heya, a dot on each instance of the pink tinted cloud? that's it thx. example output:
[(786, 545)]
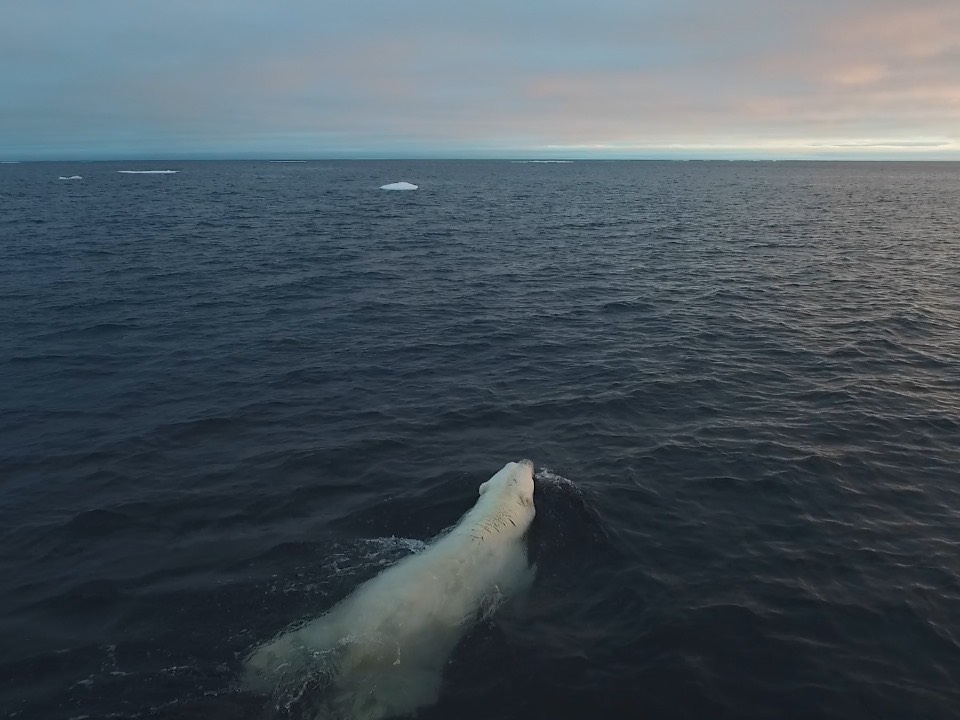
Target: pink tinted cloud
[(747, 73), (875, 68)]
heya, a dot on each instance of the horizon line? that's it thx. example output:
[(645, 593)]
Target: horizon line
[(468, 158)]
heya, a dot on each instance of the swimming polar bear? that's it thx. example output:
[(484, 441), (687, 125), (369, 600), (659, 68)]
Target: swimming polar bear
[(381, 651)]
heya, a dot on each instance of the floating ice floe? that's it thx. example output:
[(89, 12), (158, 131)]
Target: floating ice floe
[(398, 186), (72, 177), (148, 172)]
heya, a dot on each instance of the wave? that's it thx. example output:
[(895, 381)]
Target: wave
[(566, 524), (72, 177), (200, 423)]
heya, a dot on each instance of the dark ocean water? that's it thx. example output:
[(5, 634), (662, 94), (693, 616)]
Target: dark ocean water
[(230, 394)]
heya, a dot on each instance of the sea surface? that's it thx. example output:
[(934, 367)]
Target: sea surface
[(230, 394)]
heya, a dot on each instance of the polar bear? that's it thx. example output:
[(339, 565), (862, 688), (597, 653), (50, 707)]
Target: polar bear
[(381, 651)]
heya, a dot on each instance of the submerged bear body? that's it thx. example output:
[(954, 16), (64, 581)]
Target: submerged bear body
[(381, 651)]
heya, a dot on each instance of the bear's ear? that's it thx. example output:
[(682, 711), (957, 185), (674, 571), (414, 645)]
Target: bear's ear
[(527, 500), (484, 487)]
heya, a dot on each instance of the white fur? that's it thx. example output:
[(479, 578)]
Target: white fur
[(381, 651)]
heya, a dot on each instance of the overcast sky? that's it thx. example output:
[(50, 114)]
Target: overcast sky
[(494, 78)]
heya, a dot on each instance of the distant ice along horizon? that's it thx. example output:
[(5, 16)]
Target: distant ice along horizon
[(148, 172), (399, 186)]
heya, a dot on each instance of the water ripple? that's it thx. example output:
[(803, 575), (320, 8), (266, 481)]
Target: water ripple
[(220, 386)]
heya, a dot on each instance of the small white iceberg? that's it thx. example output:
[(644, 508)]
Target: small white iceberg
[(72, 177), (398, 186), (148, 172)]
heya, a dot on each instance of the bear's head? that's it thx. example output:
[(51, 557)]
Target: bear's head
[(515, 480)]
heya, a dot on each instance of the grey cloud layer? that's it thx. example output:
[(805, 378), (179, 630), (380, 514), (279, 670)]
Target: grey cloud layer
[(422, 78)]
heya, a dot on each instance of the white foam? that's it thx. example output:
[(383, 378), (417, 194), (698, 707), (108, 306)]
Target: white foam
[(545, 476), (9, 162), (391, 545), (399, 186), (148, 172), (72, 177)]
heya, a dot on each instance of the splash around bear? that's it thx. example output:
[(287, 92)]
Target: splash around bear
[(381, 651)]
